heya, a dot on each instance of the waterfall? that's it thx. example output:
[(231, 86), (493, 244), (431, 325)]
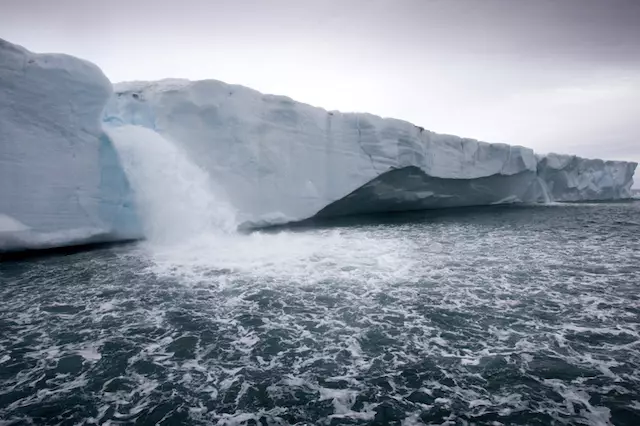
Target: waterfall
[(545, 191), (175, 198)]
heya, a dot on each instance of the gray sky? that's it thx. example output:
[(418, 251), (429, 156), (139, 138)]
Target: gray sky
[(554, 75)]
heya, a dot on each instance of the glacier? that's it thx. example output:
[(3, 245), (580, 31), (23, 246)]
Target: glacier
[(84, 161), (282, 161), (61, 181), (571, 178)]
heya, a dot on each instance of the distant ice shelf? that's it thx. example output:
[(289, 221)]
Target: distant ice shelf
[(571, 178), (77, 159)]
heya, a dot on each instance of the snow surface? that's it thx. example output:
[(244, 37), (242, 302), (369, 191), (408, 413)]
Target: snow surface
[(60, 177), (279, 160)]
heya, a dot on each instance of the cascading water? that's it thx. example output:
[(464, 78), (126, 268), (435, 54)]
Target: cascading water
[(175, 198), (544, 191), (191, 226)]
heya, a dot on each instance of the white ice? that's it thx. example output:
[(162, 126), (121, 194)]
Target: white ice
[(280, 160), (60, 177), (206, 155)]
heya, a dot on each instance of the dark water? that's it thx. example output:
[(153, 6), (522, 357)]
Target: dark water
[(496, 316)]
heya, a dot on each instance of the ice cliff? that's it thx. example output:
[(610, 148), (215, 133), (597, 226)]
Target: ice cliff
[(61, 182), (281, 160), (271, 159), (571, 178)]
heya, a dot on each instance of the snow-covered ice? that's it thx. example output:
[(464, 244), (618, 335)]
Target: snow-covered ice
[(280, 160), (60, 178)]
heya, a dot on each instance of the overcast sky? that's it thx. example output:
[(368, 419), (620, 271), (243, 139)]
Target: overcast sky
[(554, 75)]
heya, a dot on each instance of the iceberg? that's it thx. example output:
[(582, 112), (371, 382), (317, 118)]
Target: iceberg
[(282, 161), (61, 182)]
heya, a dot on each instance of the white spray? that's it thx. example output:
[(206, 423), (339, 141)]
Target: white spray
[(191, 228), (175, 198), (545, 191)]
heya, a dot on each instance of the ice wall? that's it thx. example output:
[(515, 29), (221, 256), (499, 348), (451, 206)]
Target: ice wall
[(61, 181), (281, 160), (571, 178)]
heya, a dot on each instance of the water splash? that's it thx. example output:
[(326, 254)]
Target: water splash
[(175, 198)]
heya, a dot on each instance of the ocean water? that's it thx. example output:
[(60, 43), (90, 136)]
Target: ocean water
[(488, 316)]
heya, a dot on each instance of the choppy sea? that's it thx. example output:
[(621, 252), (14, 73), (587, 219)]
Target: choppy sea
[(487, 316)]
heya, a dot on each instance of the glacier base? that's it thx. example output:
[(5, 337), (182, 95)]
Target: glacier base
[(410, 188)]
